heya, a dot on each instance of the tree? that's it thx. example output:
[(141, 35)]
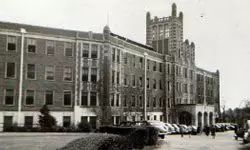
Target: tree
[(46, 121)]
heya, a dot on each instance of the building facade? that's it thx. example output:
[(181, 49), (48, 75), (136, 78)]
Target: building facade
[(103, 78)]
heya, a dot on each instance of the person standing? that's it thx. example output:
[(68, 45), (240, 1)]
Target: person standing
[(207, 130), (213, 130)]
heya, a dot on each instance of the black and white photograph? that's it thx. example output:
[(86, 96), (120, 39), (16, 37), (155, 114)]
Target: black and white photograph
[(124, 75)]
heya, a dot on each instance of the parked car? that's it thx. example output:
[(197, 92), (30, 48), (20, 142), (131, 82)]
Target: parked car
[(185, 129), (193, 129), (162, 128), (177, 129), (171, 129)]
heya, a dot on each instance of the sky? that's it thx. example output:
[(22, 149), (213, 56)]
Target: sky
[(220, 29)]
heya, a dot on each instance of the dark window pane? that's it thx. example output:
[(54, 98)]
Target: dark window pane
[(28, 121), (11, 46), (9, 97), (84, 98), (50, 50), (31, 48), (11, 70), (31, 71), (93, 78), (93, 99), (66, 121), (49, 98), (67, 98), (92, 121), (84, 119), (7, 121), (68, 52)]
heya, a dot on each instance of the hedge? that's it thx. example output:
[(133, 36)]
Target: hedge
[(99, 141)]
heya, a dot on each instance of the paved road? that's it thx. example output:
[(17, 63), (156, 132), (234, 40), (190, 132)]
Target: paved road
[(52, 141), (222, 141)]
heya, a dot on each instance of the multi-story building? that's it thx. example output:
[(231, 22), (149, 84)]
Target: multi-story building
[(103, 78)]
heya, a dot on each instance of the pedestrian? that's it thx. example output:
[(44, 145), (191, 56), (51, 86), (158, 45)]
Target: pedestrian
[(207, 130), (181, 130), (198, 130), (213, 130)]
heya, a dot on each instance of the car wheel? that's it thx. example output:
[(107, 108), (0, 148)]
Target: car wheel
[(162, 136)]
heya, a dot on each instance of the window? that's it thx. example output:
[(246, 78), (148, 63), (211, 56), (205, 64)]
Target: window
[(94, 51), (125, 81), (113, 76), (118, 56), (93, 99), (68, 50), (167, 31), (10, 71), (133, 118), (50, 47), (133, 60), (160, 84), (117, 120), (141, 62), (125, 58), (148, 65), (160, 102), (125, 101), (140, 81), (49, 97), (7, 121), (117, 99), (66, 121), (148, 83), (93, 75), (191, 89), (31, 71), (133, 80), (160, 67), (155, 117), (154, 66), (112, 99), (31, 45), (113, 54), (9, 96), (84, 98), (147, 101), (84, 119), (30, 96), (11, 43), (140, 101), (85, 72), (185, 72), (185, 88), (191, 74), (85, 51), (154, 84), (67, 73), (49, 72), (118, 77), (133, 101), (28, 121), (92, 121), (148, 117), (168, 69), (67, 98), (154, 102)]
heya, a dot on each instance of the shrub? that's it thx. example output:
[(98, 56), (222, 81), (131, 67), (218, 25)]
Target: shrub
[(46, 121), (84, 127), (152, 135), (99, 141)]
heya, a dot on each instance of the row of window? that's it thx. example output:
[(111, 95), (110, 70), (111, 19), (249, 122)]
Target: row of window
[(89, 78), (184, 88), (185, 72), (28, 121), (90, 50), (30, 96), (31, 72), (138, 102), (32, 46)]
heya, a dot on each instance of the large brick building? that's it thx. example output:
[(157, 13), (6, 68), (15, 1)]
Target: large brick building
[(103, 78)]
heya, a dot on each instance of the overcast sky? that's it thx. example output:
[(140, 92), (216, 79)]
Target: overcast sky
[(220, 29)]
